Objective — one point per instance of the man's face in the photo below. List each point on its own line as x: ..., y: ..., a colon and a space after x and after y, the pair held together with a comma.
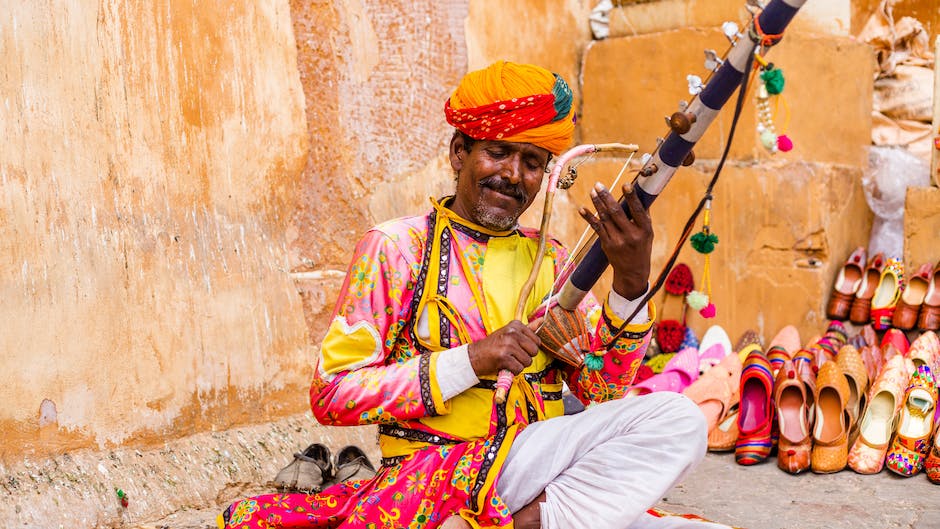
x: 496, y: 180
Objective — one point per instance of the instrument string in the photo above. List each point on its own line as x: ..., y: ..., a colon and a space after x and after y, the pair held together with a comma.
x: 690, y: 223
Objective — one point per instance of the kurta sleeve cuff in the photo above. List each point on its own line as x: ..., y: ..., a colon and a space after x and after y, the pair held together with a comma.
x: 454, y: 372
x: 620, y: 307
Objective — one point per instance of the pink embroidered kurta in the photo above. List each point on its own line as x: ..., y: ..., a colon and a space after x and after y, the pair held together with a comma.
x: 416, y: 287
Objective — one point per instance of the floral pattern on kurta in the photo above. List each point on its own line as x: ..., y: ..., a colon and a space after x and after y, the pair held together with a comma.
x: 378, y: 362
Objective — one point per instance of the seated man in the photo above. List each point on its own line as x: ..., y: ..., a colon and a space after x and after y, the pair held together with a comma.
x: 425, y: 322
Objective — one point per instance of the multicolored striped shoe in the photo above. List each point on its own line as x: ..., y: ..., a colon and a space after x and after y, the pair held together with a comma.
x: 756, y: 415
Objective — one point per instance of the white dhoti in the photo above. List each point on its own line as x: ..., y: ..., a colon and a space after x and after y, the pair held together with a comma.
x: 606, y: 466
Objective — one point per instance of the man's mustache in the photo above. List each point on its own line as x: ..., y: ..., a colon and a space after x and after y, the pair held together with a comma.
x: 503, y: 187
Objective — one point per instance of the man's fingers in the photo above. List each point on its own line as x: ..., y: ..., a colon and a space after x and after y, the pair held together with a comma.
x: 638, y: 213
x: 534, y: 324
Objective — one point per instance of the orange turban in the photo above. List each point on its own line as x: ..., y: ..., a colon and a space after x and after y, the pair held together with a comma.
x: 514, y: 102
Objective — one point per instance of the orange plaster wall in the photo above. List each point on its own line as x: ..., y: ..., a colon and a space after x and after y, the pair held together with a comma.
x: 147, y: 172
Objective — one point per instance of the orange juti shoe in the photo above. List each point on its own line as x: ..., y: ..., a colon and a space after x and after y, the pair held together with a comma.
x: 846, y: 285
x: 795, y: 444
x: 850, y: 361
x: 879, y: 419
x: 831, y: 430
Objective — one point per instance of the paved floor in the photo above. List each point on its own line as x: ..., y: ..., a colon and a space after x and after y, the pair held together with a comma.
x: 764, y: 497
x: 761, y: 497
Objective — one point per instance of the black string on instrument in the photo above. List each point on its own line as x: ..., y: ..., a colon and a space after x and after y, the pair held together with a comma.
x: 690, y: 224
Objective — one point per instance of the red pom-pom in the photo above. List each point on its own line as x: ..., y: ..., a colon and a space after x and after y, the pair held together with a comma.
x: 784, y: 143
x: 709, y: 311
x: 679, y: 281
x: 642, y: 373
x: 669, y: 334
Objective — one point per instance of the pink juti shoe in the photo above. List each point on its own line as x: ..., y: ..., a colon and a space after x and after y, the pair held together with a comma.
x: 678, y: 374
x: 926, y: 351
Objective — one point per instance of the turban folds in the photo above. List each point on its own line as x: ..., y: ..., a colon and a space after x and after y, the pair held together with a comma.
x: 514, y: 102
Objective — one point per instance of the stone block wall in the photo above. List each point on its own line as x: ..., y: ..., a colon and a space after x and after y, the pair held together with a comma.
x: 785, y: 221
x: 784, y: 228
x: 628, y: 103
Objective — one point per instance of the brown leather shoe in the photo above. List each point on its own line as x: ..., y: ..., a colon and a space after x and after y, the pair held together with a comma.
x: 846, y: 285
x: 860, y: 313
x: 929, y: 319
x: 908, y: 307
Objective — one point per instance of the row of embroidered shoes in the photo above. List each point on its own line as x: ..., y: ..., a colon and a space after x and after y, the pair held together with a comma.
x: 818, y: 405
x: 874, y: 290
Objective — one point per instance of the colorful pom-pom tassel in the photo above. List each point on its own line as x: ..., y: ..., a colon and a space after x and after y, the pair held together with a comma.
x: 709, y: 311
x: 784, y: 143
x: 697, y: 300
x: 773, y: 80
x: 704, y: 242
x: 768, y: 139
x: 593, y: 362
x: 669, y: 334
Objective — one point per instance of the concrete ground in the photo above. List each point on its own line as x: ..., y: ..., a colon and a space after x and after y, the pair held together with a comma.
x: 760, y: 497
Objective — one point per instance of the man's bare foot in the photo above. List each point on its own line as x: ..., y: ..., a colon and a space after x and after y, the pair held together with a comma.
x: 455, y: 522
x: 530, y: 516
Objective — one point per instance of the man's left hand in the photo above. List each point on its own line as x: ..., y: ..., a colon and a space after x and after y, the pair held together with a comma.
x: 627, y: 241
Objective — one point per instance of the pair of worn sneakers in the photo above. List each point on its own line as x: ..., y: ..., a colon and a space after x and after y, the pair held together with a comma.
x: 314, y: 469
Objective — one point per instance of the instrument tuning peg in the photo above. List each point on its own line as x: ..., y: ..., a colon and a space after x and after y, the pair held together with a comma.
x: 712, y: 62
x: 695, y: 84
x: 649, y: 170
x: 731, y: 30
x: 681, y: 122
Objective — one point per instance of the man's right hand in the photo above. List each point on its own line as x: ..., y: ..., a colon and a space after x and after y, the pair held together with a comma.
x: 511, y: 347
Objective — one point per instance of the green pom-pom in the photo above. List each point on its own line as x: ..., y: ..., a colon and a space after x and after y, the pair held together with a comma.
x: 773, y: 80
x: 697, y: 300
x: 704, y: 242
x: 593, y: 362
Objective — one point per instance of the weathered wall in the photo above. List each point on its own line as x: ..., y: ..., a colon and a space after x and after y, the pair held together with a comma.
x: 375, y: 76
x: 148, y: 168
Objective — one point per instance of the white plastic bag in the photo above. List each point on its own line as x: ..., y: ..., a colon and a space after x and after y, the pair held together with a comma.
x: 890, y: 172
